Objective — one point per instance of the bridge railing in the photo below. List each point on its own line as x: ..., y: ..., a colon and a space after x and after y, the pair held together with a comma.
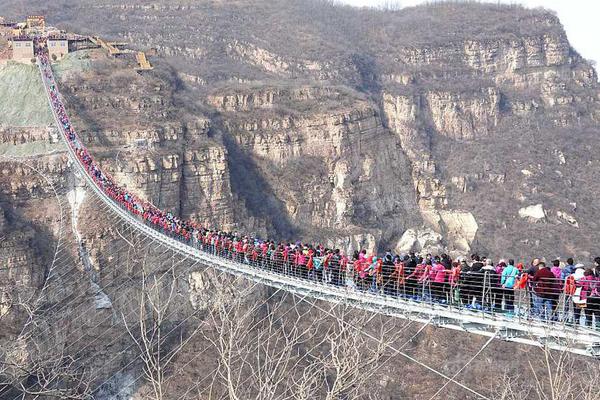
x: 549, y: 301
x: 553, y: 301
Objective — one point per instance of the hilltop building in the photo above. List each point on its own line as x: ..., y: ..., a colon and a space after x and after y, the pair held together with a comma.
x: 32, y: 36
x: 28, y: 38
x: 35, y: 23
x: 22, y: 49
x: 58, y: 47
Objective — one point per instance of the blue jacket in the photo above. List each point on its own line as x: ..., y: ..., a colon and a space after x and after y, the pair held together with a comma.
x: 567, y: 270
x: 509, y: 276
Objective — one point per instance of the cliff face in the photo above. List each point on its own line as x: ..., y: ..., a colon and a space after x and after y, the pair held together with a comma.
x: 149, y: 143
x: 325, y: 155
x: 301, y: 132
x: 463, y: 127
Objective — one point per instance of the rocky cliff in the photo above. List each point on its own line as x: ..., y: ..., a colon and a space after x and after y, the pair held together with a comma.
x: 400, y: 131
x: 382, y: 137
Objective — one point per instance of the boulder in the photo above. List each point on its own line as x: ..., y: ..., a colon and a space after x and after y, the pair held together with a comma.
x: 419, y: 240
x: 366, y: 241
x: 457, y: 227
x: 460, y: 227
x: 568, y: 218
x: 533, y: 213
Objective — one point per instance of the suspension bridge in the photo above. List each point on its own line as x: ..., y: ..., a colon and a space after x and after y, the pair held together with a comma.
x: 518, y: 328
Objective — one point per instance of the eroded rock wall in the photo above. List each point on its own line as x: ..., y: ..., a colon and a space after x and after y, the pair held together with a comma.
x: 160, y: 151
x: 328, y: 158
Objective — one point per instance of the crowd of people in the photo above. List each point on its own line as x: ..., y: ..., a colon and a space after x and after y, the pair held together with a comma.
x: 559, y: 291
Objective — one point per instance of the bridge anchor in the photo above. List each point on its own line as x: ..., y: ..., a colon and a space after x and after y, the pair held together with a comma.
x: 594, y: 350
x: 509, y: 333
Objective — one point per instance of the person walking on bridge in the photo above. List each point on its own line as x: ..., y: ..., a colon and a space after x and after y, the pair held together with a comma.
x: 438, y: 281
x: 531, y: 271
x: 398, y: 276
x: 508, y: 280
x: 568, y: 269
x: 574, y: 285
x: 454, y: 281
x: 473, y: 283
x: 387, y: 274
x: 591, y: 291
x: 335, y: 267
x: 491, y: 295
x: 545, y: 292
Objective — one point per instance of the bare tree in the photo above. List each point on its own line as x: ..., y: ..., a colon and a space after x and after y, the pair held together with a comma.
x: 154, y: 335
x: 41, y: 369
x: 289, y: 349
x: 352, y: 357
x: 558, y: 375
x: 256, y: 354
x: 60, y: 376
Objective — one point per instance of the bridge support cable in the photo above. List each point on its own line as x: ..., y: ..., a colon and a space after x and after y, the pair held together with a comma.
x: 119, y: 337
x: 464, y: 366
x: 34, y: 309
x: 81, y: 296
x: 61, y: 257
x: 129, y: 280
x: 59, y: 307
x: 71, y: 343
x: 417, y: 333
x: 179, y: 324
x: 418, y: 362
x: 92, y: 342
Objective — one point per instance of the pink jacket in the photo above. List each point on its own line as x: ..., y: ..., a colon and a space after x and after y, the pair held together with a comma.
x: 556, y: 271
x: 438, y: 273
x: 590, y: 287
x: 420, y: 273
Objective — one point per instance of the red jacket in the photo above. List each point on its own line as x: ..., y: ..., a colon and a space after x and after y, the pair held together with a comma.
x: 546, y: 284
